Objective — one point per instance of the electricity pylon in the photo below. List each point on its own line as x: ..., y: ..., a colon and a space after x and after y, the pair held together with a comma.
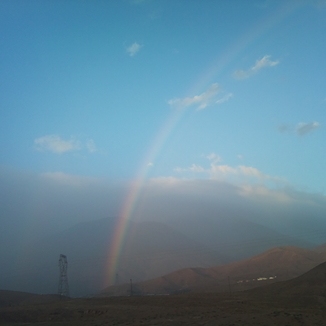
x: 63, y: 288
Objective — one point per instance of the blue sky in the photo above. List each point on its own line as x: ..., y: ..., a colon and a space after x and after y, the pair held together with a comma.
x: 226, y: 90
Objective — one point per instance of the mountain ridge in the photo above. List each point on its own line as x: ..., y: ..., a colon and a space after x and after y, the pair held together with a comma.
x: 277, y: 264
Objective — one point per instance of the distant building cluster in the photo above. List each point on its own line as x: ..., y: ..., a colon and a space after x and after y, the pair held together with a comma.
x: 258, y: 279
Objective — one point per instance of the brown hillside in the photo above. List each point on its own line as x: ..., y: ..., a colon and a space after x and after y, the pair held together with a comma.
x: 307, y: 290
x: 321, y: 249
x: 311, y: 283
x: 283, y: 262
x: 277, y: 264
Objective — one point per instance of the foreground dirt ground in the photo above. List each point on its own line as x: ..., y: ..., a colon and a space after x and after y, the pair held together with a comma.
x: 186, y: 309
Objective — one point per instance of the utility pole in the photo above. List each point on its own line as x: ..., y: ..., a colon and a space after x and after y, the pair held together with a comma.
x: 63, y: 289
x: 131, y: 287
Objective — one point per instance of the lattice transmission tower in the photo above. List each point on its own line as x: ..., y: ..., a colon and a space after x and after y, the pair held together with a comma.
x: 63, y: 288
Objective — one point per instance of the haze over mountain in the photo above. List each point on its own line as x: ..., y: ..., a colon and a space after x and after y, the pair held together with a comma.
x: 152, y: 250
x: 211, y: 210
x: 177, y: 224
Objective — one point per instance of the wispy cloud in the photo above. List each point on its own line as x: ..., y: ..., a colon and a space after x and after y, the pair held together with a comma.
x: 305, y: 128
x: 241, y: 172
x: 225, y: 98
x: 90, y: 145
x: 261, y: 63
x: 201, y: 101
x: 55, y: 144
x: 301, y: 129
x: 214, y: 158
x: 193, y: 168
x: 133, y: 49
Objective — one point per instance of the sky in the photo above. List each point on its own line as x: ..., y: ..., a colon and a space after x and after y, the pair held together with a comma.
x: 139, y: 90
x: 116, y: 108
x: 230, y: 90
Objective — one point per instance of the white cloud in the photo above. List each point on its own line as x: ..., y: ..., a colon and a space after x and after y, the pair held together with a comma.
x: 261, y: 63
x: 238, y: 174
x: 301, y: 129
x: 225, y: 98
x: 214, y: 158
x: 201, y: 101
x: 193, y: 168
x: 55, y: 144
x: 90, y: 145
x: 242, y: 174
x: 252, y: 172
x: 264, y: 62
x: 217, y: 170
x: 305, y: 128
x: 133, y: 49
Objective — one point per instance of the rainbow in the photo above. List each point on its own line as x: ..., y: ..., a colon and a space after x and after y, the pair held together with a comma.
x: 166, y: 131
x: 133, y: 195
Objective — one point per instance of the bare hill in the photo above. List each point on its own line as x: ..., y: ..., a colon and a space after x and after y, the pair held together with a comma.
x: 311, y: 283
x: 277, y: 264
x: 307, y: 290
x: 321, y: 249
